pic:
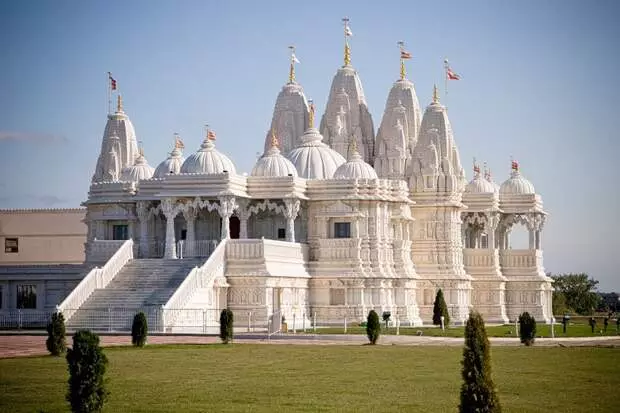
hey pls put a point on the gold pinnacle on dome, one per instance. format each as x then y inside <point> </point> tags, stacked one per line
<point>435,94</point>
<point>311,115</point>
<point>274,139</point>
<point>354,146</point>
<point>178,143</point>
<point>403,71</point>
<point>347,49</point>
<point>119,103</point>
<point>291,73</point>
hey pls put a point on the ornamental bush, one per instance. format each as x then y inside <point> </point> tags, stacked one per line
<point>373,327</point>
<point>527,328</point>
<point>226,326</point>
<point>56,343</point>
<point>477,391</point>
<point>139,330</point>
<point>440,308</point>
<point>87,365</point>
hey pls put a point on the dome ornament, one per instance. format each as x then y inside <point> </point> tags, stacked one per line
<point>476,169</point>
<point>435,94</point>
<point>347,33</point>
<point>311,115</point>
<point>178,143</point>
<point>274,139</point>
<point>294,59</point>
<point>404,55</point>
<point>119,103</point>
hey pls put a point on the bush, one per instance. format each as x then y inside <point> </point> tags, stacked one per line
<point>139,330</point>
<point>386,318</point>
<point>477,391</point>
<point>527,328</point>
<point>87,366</point>
<point>373,327</point>
<point>56,343</point>
<point>440,309</point>
<point>226,326</point>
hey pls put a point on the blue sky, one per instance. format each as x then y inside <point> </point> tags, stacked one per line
<point>540,83</point>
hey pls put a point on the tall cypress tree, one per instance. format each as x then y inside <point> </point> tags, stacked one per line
<point>440,308</point>
<point>477,391</point>
<point>87,365</point>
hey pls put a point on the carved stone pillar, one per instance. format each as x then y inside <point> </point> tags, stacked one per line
<point>226,209</point>
<point>244,216</point>
<point>142,210</point>
<point>291,209</point>
<point>493,223</point>
<point>170,212</point>
<point>190,242</point>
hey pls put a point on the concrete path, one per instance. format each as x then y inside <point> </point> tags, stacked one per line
<point>21,345</point>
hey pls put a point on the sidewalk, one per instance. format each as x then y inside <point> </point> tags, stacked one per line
<point>22,345</point>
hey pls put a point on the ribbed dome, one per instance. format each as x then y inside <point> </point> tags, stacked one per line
<point>479,185</point>
<point>313,159</point>
<point>138,171</point>
<point>207,160</point>
<point>355,168</point>
<point>273,164</point>
<point>516,185</point>
<point>172,164</point>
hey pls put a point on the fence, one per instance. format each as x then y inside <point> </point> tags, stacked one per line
<point>24,319</point>
<point>184,249</point>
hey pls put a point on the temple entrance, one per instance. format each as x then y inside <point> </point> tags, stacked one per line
<point>234,226</point>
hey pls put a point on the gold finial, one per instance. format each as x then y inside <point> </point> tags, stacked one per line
<point>435,94</point>
<point>294,59</point>
<point>354,146</point>
<point>178,143</point>
<point>403,55</point>
<point>119,103</point>
<point>274,139</point>
<point>347,34</point>
<point>311,115</point>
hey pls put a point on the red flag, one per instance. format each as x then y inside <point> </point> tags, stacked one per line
<point>451,75</point>
<point>515,166</point>
<point>211,135</point>
<point>112,81</point>
<point>405,54</point>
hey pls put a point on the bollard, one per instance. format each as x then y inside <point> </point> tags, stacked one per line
<point>303,323</point>
<point>345,324</point>
<point>552,327</point>
<point>314,322</point>
<point>443,326</point>
<point>397,326</point>
<point>294,323</point>
<point>249,321</point>
<point>517,327</point>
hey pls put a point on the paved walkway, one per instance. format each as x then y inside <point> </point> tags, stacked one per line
<point>21,345</point>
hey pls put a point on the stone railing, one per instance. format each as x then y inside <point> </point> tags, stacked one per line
<point>200,248</point>
<point>479,257</point>
<point>521,258</point>
<point>198,278</point>
<point>102,250</point>
<point>97,278</point>
<point>244,249</point>
<point>339,249</point>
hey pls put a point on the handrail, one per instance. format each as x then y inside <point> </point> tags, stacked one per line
<point>199,277</point>
<point>97,278</point>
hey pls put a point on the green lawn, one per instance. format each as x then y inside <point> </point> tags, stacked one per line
<point>542,330</point>
<point>287,378</point>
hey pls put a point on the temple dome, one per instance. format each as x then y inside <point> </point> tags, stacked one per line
<point>355,168</point>
<point>479,185</point>
<point>273,164</point>
<point>207,160</point>
<point>171,165</point>
<point>516,185</point>
<point>313,159</point>
<point>138,171</point>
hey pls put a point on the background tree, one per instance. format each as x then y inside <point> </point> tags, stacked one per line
<point>477,391</point>
<point>87,366</point>
<point>527,328</point>
<point>226,326</point>
<point>440,308</point>
<point>139,330</point>
<point>56,343</point>
<point>373,327</point>
<point>579,291</point>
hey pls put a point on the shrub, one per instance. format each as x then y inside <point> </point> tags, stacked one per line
<point>139,330</point>
<point>440,309</point>
<point>386,317</point>
<point>477,391</point>
<point>373,327</point>
<point>87,366</point>
<point>56,343</point>
<point>226,326</point>
<point>527,328</point>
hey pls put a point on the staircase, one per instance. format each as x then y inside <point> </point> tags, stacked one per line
<point>142,285</point>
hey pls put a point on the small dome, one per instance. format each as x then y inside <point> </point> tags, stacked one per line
<point>516,185</point>
<point>274,164</point>
<point>172,164</point>
<point>207,160</point>
<point>313,159</point>
<point>138,171</point>
<point>479,185</point>
<point>355,168</point>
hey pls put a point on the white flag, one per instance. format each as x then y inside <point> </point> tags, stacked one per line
<point>347,31</point>
<point>295,59</point>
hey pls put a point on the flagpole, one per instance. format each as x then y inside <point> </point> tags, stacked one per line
<point>109,93</point>
<point>445,69</point>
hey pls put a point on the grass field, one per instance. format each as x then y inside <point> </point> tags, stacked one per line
<point>542,330</point>
<point>283,378</point>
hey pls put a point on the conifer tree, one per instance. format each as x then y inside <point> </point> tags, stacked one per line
<point>440,308</point>
<point>226,326</point>
<point>373,327</point>
<point>477,391</point>
<point>87,365</point>
<point>527,328</point>
<point>56,343</point>
<point>139,330</point>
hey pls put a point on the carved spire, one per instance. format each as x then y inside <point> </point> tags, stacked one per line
<point>347,33</point>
